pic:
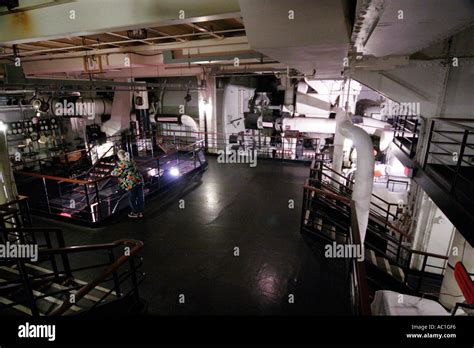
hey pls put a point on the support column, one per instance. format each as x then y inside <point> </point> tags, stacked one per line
<point>207,113</point>
<point>8,190</point>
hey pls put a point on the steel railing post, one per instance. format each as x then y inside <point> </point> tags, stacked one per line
<point>460,159</point>
<point>430,136</point>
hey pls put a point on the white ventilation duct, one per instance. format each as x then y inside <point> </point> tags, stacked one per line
<point>364,174</point>
<point>309,124</point>
<point>189,122</point>
<point>343,127</point>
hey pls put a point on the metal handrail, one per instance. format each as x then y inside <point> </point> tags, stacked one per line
<point>99,159</point>
<point>137,246</point>
<point>406,266</point>
<point>359,273</point>
<point>325,167</point>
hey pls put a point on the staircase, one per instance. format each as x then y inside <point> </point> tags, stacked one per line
<point>69,280</point>
<point>388,257</point>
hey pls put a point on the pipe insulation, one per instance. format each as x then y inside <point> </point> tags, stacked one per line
<point>189,122</point>
<point>100,106</point>
<point>309,124</point>
<point>363,177</point>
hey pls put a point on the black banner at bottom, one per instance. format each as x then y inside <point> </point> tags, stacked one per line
<point>258,330</point>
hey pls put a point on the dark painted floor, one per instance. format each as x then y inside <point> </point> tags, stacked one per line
<point>190,251</point>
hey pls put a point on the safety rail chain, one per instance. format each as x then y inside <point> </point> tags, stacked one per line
<point>98,198</point>
<point>53,251</point>
<point>401,255</point>
<point>380,209</point>
<point>406,133</point>
<point>357,274</point>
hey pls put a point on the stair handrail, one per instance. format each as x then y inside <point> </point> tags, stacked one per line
<point>360,274</point>
<point>406,267</point>
<point>62,179</point>
<point>347,179</point>
<point>99,159</point>
<point>346,200</point>
<point>86,289</point>
<point>359,267</point>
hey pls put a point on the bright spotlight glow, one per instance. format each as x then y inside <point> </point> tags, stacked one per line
<point>3,127</point>
<point>174,171</point>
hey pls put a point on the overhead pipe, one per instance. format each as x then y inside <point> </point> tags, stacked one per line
<point>184,120</point>
<point>102,106</point>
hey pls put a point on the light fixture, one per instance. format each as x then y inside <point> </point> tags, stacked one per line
<point>36,104</point>
<point>174,171</point>
<point>3,127</point>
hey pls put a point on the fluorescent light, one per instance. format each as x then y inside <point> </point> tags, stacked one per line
<point>3,127</point>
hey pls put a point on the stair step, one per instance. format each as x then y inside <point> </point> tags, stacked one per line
<point>47,304</point>
<point>385,265</point>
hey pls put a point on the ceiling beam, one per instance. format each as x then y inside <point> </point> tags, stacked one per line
<point>80,18</point>
<point>126,37</point>
<point>186,44</point>
<point>162,33</point>
<point>204,30</point>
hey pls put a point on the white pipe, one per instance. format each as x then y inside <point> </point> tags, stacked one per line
<point>188,121</point>
<point>309,124</point>
<point>101,106</point>
<point>364,175</point>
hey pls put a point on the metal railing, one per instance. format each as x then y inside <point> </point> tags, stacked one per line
<point>341,184</point>
<point>323,207</point>
<point>358,287</point>
<point>15,213</point>
<point>450,149</point>
<point>64,276</point>
<point>295,147</point>
<point>406,133</point>
<point>91,201</point>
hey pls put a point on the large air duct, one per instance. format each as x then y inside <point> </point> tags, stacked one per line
<point>309,124</point>
<point>364,175</point>
<point>81,106</point>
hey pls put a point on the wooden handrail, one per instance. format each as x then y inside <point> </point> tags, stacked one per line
<point>19,199</point>
<point>424,253</point>
<point>58,178</point>
<point>391,226</point>
<point>335,196</point>
<point>345,178</point>
<point>77,248</point>
<point>360,266</point>
<point>347,201</point>
<point>137,246</point>
<point>387,223</point>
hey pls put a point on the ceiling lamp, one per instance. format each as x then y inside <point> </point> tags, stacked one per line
<point>137,34</point>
